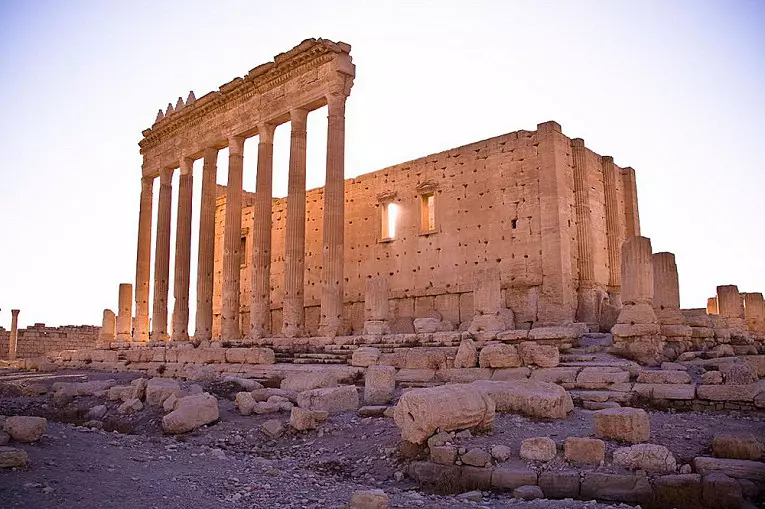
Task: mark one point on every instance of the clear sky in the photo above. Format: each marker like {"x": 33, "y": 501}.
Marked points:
{"x": 675, "y": 89}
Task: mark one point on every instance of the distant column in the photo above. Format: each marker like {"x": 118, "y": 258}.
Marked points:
{"x": 183, "y": 252}
{"x": 143, "y": 261}
{"x": 754, "y": 311}
{"x": 294, "y": 262}
{"x": 232, "y": 257}
{"x": 162, "y": 260}
{"x": 588, "y": 296}
{"x": 108, "y": 327}
{"x": 631, "y": 215}
{"x": 614, "y": 227}
{"x": 376, "y": 310}
{"x": 712, "y": 306}
{"x": 729, "y": 302}
{"x": 205, "y": 268}
{"x": 14, "y": 334}
{"x": 125, "y": 312}
{"x": 334, "y": 219}
{"x": 666, "y": 293}
{"x": 260, "y": 306}
{"x": 637, "y": 271}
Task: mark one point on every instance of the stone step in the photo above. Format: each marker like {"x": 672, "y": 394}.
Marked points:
{"x": 568, "y": 357}
{"x": 318, "y": 361}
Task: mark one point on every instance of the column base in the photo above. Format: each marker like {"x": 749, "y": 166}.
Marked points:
{"x": 331, "y": 329}
{"x": 180, "y": 336}
{"x": 292, "y": 331}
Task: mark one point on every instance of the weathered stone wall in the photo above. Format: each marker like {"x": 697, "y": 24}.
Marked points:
{"x": 506, "y": 202}
{"x": 39, "y": 339}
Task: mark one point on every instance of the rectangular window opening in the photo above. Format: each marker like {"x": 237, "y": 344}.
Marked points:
{"x": 389, "y": 214}
{"x": 243, "y": 252}
{"x": 428, "y": 213}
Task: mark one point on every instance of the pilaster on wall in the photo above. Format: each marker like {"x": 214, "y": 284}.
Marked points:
{"x": 557, "y": 302}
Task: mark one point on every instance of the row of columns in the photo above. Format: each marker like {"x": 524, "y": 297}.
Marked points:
{"x": 293, "y": 304}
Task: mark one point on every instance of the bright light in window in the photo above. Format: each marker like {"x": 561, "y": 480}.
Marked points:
{"x": 391, "y": 214}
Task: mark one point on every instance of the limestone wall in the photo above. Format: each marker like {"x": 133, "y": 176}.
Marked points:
{"x": 506, "y": 202}
{"x": 39, "y": 339}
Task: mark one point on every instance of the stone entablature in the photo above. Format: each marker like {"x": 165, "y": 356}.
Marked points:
{"x": 302, "y": 76}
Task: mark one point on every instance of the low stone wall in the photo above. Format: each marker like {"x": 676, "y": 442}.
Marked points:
{"x": 39, "y": 340}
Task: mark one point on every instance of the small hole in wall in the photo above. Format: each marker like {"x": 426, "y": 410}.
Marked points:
{"x": 514, "y": 224}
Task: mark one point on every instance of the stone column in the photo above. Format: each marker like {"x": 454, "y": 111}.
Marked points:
{"x": 631, "y": 215}
{"x": 12, "y": 339}
{"x": 294, "y": 262}
{"x": 588, "y": 299}
{"x": 731, "y": 307}
{"x": 108, "y": 331}
{"x": 712, "y": 306}
{"x": 260, "y": 305}
{"x": 143, "y": 261}
{"x": 334, "y": 218}
{"x": 183, "y": 252}
{"x": 637, "y": 332}
{"x": 754, "y": 311}
{"x": 206, "y": 260}
{"x": 666, "y": 302}
{"x": 232, "y": 257}
{"x": 125, "y": 312}
{"x": 614, "y": 226}
{"x": 162, "y": 260}
{"x": 376, "y": 310}
{"x": 729, "y": 302}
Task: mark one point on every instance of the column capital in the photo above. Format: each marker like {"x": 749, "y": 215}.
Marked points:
{"x": 236, "y": 145}
{"x": 266, "y": 133}
{"x": 15, "y": 312}
{"x": 298, "y": 118}
{"x": 147, "y": 181}
{"x": 211, "y": 154}
{"x": 577, "y": 142}
{"x": 187, "y": 166}
{"x": 607, "y": 160}
{"x": 336, "y": 104}
{"x": 166, "y": 176}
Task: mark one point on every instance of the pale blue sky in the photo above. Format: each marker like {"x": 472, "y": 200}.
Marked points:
{"x": 671, "y": 88}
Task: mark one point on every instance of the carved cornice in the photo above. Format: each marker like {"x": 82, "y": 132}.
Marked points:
{"x": 387, "y": 196}
{"x": 427, "y": 186}
{"x": 304, "y": 57}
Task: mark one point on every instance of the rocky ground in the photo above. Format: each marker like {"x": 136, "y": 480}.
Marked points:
{"x": 233, "y": 463}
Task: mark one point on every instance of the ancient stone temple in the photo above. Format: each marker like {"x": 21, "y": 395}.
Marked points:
{"x": 539, "y": 211}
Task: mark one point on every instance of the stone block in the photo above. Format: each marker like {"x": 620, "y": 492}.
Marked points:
{"x": 744, "y": 393}
{"x": 475, "y": 478}
{"x": 508, "y": 479}
{"x": 544, "y": 356}
{"x": 601, "y": 377}
{"x": 11, "y": 457}
{"x": 560, "y": 484}
{"x": 467, "y": 355}
{"x": 427, "y": 325}
{"x": 416, "y": 375}
{"x": 26, "y": 429}
{"x": 538, "y": 333}
{"x": 665, "y": 391}
{"x": 425, "y": 358}
{"x": 190, "y": 413}
{"x": 741, "y": 447}
{"x": 443, "y": 454}
{"x": 528, "y": 493}
{"x": 365, "y": 356}
{"x": 428, "y": 473}
{"x": 464, "y": 375}
{"x": 420, "y": 412}
{"x": 529, "y": 397}
{"x": 584, "y": 450}
{"x": 647, "y": 457}
{"x": 630, "y": 489}
{"x": 738, "y": 469}
{"x": 307, "y": 380}
{"x": 559, "y": 375}
{"x": 379, "y": 385}
{"x": 332, "y": 400}
{"x": 159, "y": 389}
{"x": 721, "y": 491}
{"x": 625, "y": 424}
{"x": 664, "y": 377}
{"x": 499, "y": 355}
{"x": 538, "y": 449}
{"x": 678, "y": 491}
{"x": 513, "y": 335}
{"x": 368, "y": 499}
{"x": 476, "y": 457}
